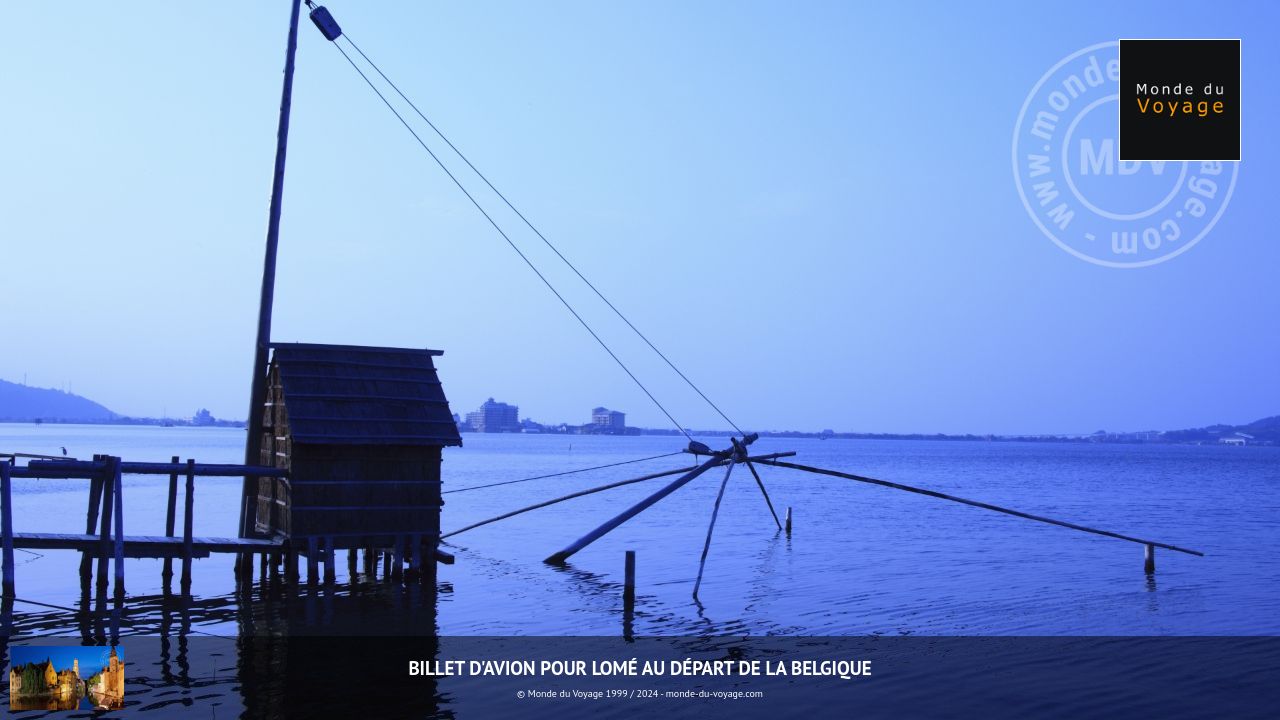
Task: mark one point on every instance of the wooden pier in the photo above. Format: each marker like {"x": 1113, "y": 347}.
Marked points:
{"x": 104, "y": 538}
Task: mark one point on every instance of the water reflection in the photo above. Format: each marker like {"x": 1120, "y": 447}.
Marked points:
{"x": 269, "y": 649}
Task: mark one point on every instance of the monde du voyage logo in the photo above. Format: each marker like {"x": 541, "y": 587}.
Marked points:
{"x": 1128, "y": 164}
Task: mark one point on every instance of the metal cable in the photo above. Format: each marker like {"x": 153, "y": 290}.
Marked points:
{"x": 504, "y": 235}
{"x": 542, "y": 237}
{"x": 567, "y": 472}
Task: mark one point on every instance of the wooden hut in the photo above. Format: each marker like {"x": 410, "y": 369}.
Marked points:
{"x": 360, "y": 430}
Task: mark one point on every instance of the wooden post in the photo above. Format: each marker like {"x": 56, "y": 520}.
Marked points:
{"x": 118, "y": 484}
{"x": 91, "y": 520}
{"x": 788, "y": 521}
{"x": 397, "y": 559}
{"x": 415, "y": 557}
{"x": 188, "y": 522}
{"x": 104, "y": 530}
{"x": 1149, "y": 560}
{"x": 291, "y": 566}
{"x": 262, "y": 566}
{"x": 351, "y": 564}
{"x": 313, "y": 573}
{"x": 171, "y": 518}
{"x": 370, "y": 561}
{"x": 262, "y": 347}
{"x": 386, "y": 565}
{"x": 330, "y": 559}
{"x": 6, "y": 528}
{"x": 629, "y": 583}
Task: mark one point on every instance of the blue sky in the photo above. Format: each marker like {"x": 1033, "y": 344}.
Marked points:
{"x": 809, "y": 206}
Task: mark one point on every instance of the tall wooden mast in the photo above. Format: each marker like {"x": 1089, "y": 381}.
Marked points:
{"x": 262, "y": 344}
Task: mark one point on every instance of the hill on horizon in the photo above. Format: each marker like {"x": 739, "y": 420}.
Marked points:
{"x": 22, "y": 403}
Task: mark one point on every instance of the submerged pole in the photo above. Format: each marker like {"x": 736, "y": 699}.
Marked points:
{"x": 634, "y": 510}
{"x": 188, "y": 525}
{"x": 1149, "y": 559}
{"x": 104, "y": 526}
{"x": 764, "y": 492}
{"x": 570, "y": 496}
{"x": 629, "y": 582}
{"x": 975, "y": 503}
{"x": 262, "y": 344}
{"x": 6, "y": 527}
{"x": 171, "y": 517}
{"x": 117, "y": 484}
{"x": 715, "y": 511}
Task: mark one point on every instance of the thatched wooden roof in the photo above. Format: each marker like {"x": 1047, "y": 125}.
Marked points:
{"x": 355, "y": 395}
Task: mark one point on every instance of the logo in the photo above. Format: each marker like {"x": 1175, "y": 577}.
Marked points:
{"x": 1082, "y": 196}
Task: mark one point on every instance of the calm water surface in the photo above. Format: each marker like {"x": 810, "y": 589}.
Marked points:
{"x": 862, "y": 560}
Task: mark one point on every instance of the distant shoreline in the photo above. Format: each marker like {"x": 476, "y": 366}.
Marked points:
{"x": 1213, "y": 435}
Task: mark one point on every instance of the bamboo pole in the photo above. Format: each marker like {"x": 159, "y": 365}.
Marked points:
{"x": 975, "y": 503}
{"x": 590, "y": 491}
{"x": 715, "y": 511}
{"x": 261, "y": 347}
{"x": 634, "y": 510}
{"x": 764, "y": 492}
{"x": 570, "y": 496}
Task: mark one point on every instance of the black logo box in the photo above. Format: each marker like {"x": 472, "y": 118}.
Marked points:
{"x": 1185, "y": 67}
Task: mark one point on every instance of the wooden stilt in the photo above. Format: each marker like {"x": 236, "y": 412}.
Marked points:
{"x": 6, "y": 528}
{"x": 170, "y": 519}
{"x": 351, "y": 564}
{"x": 291, "y": 566}
{"x": 629, "y": 583}
{"x": 1149, "y": 560}
{"x": 715, "y": 511}
{"x": 330, "y": 560}
{"x": 397, "y": 559}
{"x": 788, "y": 521}
{"x": 263, "y": 561}
{"x": 118, "y": 485}
{"x": 415, "y": 557}
{"x": 104, "y": 533}
{"x": 313, "y": 574}
{"x": 188, "y": 522}
{"x": 369, "y": 561}
{"x": 91, "y": 520}
{"x": 386, "y": 564}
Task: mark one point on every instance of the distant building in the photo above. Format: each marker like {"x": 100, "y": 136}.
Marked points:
{"x": 495, "y": 417}
{"x": 607, "y": 422}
